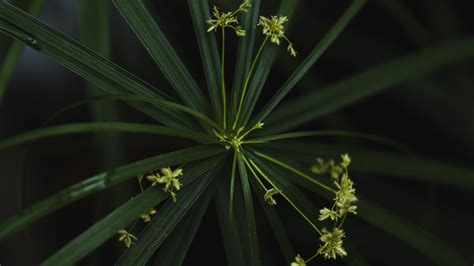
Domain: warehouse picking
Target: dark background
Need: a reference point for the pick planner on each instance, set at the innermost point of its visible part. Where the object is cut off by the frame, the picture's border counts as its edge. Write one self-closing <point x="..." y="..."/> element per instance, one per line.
<point x="433" y="115"/>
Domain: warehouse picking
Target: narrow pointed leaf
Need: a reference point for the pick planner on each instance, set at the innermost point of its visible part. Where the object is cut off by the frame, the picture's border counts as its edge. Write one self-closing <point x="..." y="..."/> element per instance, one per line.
<point x="84" y="62"/>
<point x="102" y="127"/>
<point x="120" y="218"/>
<point x="14" y="52"/>
<point x="276" y="224"/>
<point x="249" y="213"/>
<point x="338" y="95"/>
<point x="328" y="39"/>
<point x="245" y="51"/>
<point x="232" y="244"/>
<point x="101" y="181"/>
<point x="209" y="53"/>
<point x="155" y="233"/>
<point x="151" y="36"/>
<point x="384" y="163"/>
<point x="182" y="236"/>
<point x="262" y="70"/>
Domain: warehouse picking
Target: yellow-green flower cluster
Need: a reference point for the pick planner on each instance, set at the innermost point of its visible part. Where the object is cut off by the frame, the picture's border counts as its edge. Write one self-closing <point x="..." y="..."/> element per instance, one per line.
<point x="228" y="19"/>
<point x="273" y="28"/>
<point x="332" y="243"/>
<point x="127" y="238"/>
<point x="169" y="178"/>
<point x="345" y="198"/>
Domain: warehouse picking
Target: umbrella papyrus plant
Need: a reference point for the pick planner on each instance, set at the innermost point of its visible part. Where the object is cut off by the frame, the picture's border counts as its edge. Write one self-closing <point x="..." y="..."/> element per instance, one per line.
<point x="237" y="151"/>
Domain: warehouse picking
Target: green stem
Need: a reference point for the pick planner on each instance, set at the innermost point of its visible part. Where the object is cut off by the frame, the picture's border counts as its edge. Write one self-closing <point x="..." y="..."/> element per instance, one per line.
<point x="312" y="257"/>
<point x="294" y="170"/>
<point x="224" y="97"/>
<point x="247" y="80"/>
<point x="254" y="174"/>
<point x="286" y="197"/>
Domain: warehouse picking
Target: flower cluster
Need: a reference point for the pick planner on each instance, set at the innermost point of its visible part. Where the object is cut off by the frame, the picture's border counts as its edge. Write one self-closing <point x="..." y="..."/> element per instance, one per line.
<point x="273" y="28"/>
<point x="299" y="261"/>
<point x="228" y="19"/>
<point x="331" y="168"/>
<point x="169" y="178"/>
<point x="332" y="243"/>
<point x="127" y="238"/>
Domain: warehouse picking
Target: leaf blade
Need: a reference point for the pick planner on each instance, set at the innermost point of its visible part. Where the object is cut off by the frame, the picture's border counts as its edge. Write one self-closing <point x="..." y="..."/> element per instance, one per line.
<point x="340" y="94"/>
<point x="322" y="46"/>
<point x="84" y="62"/>
<point x="151" y="36"/>
<point x="102" y="127"/>
<point x="106" y="228"/>
<point x="100" y="182"/>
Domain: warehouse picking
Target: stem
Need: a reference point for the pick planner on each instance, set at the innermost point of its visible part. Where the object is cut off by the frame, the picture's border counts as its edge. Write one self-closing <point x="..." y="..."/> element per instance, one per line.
<point x="312" y="257"/>
<point x="294" y="170"/>
<point x="254" y="174"/>
<point x="247" y="80"/>
<point x="286" y="197"/>
<point x="224" y="97"/>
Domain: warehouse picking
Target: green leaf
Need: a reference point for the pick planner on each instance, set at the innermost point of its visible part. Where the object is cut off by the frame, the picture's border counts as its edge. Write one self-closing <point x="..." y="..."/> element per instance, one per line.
<point x="249" y="213"/>
<point x="323" y="45"/>
<point x="276" y="224"/>
<point x="383" y="163"/>
<point x="182" y="236"/>
<point x="101" y="181"/>
<point x="331" y="98"/>
<point x="426" y="243"/>
<point x="232" y="243"/>
<point x="84" y="62"/>
<point x="128" y="97"/>
<point x="14" y="52"/>
<point x="151" y="238"/>
<point x="332" y="133"/>
<point x="287" y="8"/>
<point x="209" y="53"/>
<point x="245" y="51"/>
<point x="102" y="127"/>
<point x="120" y="218"/>
<point x="151" y="36"/>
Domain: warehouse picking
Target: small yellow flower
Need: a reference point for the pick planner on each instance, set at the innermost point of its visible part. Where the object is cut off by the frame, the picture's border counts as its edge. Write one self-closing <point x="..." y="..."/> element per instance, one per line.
<point x="320" y="167"/>
<point x="146" y="217"/>
<point x="327" y="213"/>
<point x="171" y="181"/>
<point x="332" y="243"/>
<point x="268" y="197"/>
<point x="126" y="237"/>
<point x="154" y="179"/>
<point x="299" y="261"/>
<point x="346" y="160"/>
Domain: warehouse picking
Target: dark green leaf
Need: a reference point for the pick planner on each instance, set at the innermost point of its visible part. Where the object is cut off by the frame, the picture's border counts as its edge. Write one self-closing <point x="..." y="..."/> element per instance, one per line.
<point x="249" y="213"/>
<point x="287" y="8"/>
<point x="151" y="36"/>
<point x="319" y="102"/>
<point x="102" y="127"/>
<point x="151" y="238"/>
<point x="209" y="53"/>
<point x="84" y="62"/>
<point x="100" y="182"/>
<point x="106" y="228"/>
<point x="328" y="39"/>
